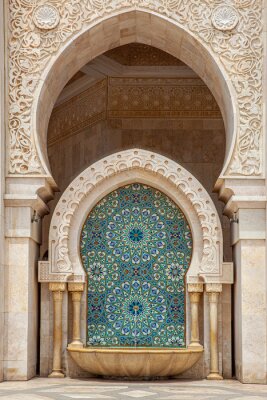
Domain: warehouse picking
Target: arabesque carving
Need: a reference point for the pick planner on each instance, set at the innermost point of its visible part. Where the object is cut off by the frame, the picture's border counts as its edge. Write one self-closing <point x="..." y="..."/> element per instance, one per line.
<point x="240" y="51"/>
<point x="131" y="97"/>
<point x="82" y="111"/>
<point x="164" y="168"/>
<point x="164" y="98"/>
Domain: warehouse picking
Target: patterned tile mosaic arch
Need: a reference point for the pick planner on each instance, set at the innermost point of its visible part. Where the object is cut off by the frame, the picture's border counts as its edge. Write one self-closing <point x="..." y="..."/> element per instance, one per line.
<point x="136" y="248"/>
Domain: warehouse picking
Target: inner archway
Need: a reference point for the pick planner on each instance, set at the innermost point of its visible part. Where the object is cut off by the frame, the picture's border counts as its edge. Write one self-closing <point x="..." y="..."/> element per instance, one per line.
<point x="137" y="96"/>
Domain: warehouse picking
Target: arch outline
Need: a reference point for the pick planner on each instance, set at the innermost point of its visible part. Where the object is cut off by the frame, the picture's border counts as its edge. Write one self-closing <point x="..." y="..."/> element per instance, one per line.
<point x="142" y="166"/>
<point x="244" y="155"/>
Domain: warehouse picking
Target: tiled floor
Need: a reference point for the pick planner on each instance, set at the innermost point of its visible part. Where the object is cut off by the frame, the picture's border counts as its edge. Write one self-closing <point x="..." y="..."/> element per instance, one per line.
<point x="66" y="389"/>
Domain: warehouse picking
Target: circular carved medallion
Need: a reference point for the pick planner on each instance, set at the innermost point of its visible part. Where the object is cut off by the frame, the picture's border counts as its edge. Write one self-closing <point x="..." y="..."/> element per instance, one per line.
<point x="225" y="18"/>
<point x="46" y="17"/>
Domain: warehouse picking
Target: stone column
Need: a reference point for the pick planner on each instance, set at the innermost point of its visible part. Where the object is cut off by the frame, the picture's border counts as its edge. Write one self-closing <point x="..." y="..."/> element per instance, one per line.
<point x="25" y="205"/>
<point x="246" y="206"/>
<point x="76" y="290"/>
<point x="250" y="293"/>
<point x="195" y="290"/>
<point x="58" y="290"/>
<point x="213" y="290"/>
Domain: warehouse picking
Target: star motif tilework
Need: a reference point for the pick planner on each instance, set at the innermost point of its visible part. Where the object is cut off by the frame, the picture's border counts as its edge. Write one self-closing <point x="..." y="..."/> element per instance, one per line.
<point x="136" y="248"/>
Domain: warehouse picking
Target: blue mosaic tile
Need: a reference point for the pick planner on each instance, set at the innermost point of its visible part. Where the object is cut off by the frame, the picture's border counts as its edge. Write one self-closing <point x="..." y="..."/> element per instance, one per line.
<point x="136" y="248"/>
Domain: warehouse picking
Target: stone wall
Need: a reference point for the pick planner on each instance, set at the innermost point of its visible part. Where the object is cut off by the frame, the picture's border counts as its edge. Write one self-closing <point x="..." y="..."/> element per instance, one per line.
<point x="2" y="180"/>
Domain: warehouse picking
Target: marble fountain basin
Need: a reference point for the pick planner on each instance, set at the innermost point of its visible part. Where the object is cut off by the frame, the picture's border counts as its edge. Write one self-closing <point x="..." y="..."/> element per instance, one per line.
<point x="135" y="362"/>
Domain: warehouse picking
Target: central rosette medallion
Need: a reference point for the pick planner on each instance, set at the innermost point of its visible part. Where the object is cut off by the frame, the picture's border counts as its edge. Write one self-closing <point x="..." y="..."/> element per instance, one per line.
<point x="136" y="235"/>
<point x="136" y="247"/>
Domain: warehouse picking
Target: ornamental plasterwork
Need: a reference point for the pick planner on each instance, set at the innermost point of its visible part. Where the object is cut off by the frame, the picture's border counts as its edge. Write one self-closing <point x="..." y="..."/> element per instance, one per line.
<point x="46" y="16"/>
<point x="164" y="98"/>
<point x="213" y="287"/>
<point x="164" y="168"/>
<point x="240" y="51"/>
<point x="195" y="287"/>
<point x="225" y="18"/>
<point x="131" y="97"/>
<point x="78" y="113"/>
<point x="45" y="276"/>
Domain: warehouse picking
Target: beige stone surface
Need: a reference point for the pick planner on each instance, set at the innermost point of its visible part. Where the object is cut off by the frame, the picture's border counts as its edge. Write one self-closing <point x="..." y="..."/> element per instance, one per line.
<point x="21" y="297"/>
<point x="250" y="311"/>
<point x="2" y="182"/>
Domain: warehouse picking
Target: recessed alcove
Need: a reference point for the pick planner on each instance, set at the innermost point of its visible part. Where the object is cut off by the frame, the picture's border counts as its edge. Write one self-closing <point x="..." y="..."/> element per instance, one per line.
<point x="137" y="96"/>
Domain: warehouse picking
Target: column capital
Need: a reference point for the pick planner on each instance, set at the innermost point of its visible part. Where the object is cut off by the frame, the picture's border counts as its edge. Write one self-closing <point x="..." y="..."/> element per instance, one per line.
<point x="57" y="286"/>
<point x="75" y="286"/>
<point x="213" y="287"/>
<point x="195" y="287"/>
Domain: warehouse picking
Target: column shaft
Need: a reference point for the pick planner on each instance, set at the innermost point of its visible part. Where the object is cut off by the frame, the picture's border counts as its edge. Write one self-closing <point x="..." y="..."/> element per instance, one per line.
<point x="195" y="290"/>
<point x="214" y="351"/>
<point x="57" y="334"/>
<point x="76" y="290"/>
<point x="194" y="300"/>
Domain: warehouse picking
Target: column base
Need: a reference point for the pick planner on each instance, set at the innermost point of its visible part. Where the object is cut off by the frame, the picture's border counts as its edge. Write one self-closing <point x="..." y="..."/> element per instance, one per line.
<point x="195" y="345"/>
<point x="75" y="344"/>
<point x="56" y="374"/>
<point x="213" y="376"/>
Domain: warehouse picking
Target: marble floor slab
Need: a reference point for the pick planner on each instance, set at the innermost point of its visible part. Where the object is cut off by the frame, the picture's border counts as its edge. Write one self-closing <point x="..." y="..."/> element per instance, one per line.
<point x="66" y="389"/>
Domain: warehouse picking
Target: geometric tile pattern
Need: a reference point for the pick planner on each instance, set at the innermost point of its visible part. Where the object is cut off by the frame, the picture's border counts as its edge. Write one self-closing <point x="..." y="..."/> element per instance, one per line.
<point x="136" y="247"/>
<point x="65" y="389"/>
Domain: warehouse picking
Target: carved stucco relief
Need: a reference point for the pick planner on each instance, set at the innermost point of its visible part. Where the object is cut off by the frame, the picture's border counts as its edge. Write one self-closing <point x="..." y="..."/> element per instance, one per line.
<point x="240" y="50"/>
<point x="225" y="18"/>
<point x="135" y="159"/>
<point x="131" y="97"/>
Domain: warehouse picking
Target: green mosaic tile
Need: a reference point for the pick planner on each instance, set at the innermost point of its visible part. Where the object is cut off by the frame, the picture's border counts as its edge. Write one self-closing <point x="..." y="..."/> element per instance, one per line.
<point x="136" y="248"/>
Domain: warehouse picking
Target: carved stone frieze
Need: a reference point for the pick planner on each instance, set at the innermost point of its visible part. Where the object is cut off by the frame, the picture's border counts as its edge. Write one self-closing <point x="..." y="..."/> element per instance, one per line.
<point x="75" y="287"/>
<point x="164" y="98"/>
<point x="44" y="275"/>
<point x="82" y="111"/>
<point x="57" y="286"/>
<point x="132" y="97"/>
<point x="152" y="163"/>
<point x="31" y="50"/>
<point x="195" y="287"/>
<point x="213" y="287"/>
